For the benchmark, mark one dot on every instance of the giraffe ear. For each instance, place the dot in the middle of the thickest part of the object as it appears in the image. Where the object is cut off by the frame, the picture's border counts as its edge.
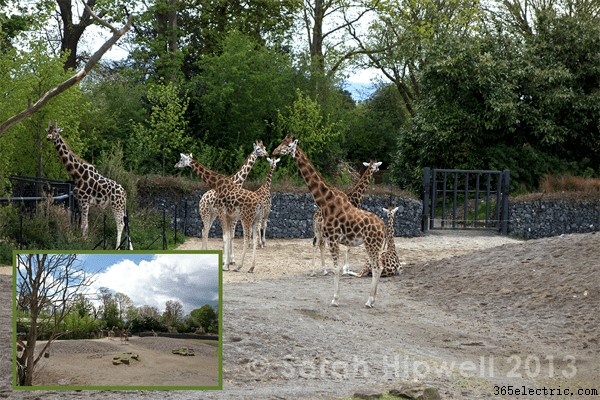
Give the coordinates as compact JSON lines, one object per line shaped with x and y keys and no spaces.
{"x":378,"y":164}
{"x":277,"y":160}
{"x":394,"y":210}
{"x":269,"y":160}
{"x":385,"y":210}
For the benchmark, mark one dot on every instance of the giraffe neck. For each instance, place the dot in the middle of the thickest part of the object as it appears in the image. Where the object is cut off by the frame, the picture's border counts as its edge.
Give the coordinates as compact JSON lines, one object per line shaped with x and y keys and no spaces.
{"x":266,"y":186}
{"x":240,"y":176}
{"x":210,"y":177}
{"x":316,"y":184}
{"x":358,"y":190}
{"x":390,"y":232}
{"x":70,"y":160}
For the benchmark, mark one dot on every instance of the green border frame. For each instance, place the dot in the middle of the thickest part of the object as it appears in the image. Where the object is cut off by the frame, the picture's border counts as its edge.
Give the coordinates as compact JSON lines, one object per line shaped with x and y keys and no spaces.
{"x":124,"y":253}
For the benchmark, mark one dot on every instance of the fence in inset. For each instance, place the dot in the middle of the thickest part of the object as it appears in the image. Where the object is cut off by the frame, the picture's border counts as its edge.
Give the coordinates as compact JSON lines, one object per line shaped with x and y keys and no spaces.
{"x":465,"y":199}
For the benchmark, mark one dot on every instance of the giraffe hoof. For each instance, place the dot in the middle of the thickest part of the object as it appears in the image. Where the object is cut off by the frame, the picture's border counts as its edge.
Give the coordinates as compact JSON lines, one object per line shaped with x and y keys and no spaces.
{"x":370,"y":304}
{"x":334,"y":303}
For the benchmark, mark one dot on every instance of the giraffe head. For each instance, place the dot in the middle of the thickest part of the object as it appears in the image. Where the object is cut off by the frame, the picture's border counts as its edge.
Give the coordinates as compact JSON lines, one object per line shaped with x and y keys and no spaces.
{"x":288,"y":146}
{"x":390,"y":211}
{"x":53,"y":131}
{"x":185,"y":161}
{"x":260,"y":150}
{"x":273,"y":163}
{"x":373,"y":165}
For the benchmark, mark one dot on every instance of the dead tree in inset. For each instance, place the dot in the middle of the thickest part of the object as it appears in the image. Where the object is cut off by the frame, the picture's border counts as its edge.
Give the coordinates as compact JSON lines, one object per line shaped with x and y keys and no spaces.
{"x":47,"y":285}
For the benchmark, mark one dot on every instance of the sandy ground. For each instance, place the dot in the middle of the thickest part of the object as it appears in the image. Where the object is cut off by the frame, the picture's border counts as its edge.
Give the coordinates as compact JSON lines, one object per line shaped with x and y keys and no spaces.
{"x":89,"y":363}
{"x":470,"y":311}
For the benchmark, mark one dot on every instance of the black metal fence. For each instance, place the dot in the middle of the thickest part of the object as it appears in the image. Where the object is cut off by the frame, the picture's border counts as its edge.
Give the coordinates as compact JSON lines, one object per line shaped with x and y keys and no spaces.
{"x":465,"y":199}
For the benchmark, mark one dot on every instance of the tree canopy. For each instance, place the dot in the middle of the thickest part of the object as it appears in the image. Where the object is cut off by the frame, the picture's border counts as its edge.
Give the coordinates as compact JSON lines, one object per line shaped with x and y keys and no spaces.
{"x":463,"y":84}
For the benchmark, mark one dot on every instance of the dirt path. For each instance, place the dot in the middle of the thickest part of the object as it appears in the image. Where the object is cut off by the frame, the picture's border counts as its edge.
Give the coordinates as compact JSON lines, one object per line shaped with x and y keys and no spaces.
{"x":89,"y":363}
{"x":469,"y":312}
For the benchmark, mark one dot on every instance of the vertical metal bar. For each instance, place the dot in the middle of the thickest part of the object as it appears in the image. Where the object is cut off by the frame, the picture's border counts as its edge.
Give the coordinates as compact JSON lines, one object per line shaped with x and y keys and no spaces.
{"x":498,"y":193}
{"x":444,"y":199}
{"x":455,"y":199}
{"x":506,"y":189}
{"x":476,"y":219}
{"x":175,"y":224}
{"x":466,"y":202}
{"x":487,"y":200}
{"x":426,"y":191}
{"x":433,"y":200}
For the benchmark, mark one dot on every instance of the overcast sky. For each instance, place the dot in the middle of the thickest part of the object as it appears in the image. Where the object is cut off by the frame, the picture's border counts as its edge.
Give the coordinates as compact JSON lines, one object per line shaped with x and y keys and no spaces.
{"x":152,"y":279}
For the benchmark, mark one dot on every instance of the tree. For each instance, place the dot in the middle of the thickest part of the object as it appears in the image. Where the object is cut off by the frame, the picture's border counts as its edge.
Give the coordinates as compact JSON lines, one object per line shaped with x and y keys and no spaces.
{"x":163,"y":137}
{"x":205,"y":316}
{"x":173,"y":312}
{"x":402,"y":32}
{"x":319,"y":136}
{"x":326,"y":23}
{"x":60,"y":88}
{"x":123,"y":303}
{"x":47,"y":284}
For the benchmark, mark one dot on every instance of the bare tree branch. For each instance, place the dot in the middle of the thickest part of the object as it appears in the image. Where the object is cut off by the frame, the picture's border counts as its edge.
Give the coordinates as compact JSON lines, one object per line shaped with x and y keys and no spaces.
{"x":117,"y":33}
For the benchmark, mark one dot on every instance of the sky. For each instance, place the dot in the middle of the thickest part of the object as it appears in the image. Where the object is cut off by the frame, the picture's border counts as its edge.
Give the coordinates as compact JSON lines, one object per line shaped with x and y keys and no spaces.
{"x":152,"y":279}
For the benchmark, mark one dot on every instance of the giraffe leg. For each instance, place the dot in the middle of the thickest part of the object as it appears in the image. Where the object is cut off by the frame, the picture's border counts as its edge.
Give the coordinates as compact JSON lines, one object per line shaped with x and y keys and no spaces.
{"x":346,"y":269}
{"x":232,"y":225}
{"x":322,"y":251}
{"x":334,"y":248}
{"x":226,"y":234}
{"x":207,"y":221}
{"x":255,"y":239}
{"x":376,"y":271}
{"x":119,"y":220}
{"x":85,"y":209}
{"x":247,"y":237}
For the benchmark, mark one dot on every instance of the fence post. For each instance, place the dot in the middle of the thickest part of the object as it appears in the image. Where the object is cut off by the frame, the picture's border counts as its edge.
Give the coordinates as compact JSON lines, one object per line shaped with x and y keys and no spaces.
{"x":505,"y":191}
{"x":425,"y":197}
{"x":175,"y":223}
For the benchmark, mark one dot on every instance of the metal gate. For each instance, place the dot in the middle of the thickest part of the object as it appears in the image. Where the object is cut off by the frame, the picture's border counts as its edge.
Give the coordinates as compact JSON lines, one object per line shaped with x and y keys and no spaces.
{"x":465,"y":199}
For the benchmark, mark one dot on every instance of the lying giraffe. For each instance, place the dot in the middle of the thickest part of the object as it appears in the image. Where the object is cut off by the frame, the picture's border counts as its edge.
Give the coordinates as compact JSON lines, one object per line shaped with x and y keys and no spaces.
{"x":234,"y":203}
{"x":91,"y":188}
{"x":355,"y":195}
{"x":208,"y":211}
{"x":343,"y":223}
{"x":389,"y":258}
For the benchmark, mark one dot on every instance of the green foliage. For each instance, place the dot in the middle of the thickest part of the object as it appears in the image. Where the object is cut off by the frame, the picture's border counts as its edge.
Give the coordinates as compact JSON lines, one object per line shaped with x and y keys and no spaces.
{"x":236,"y":98}
{"x":206,"y":317}
{"x":496,"y":102}
{"x":375,"y":127}
{"x":111,"y":165}
{"x":163,"y":136}
{"x":25,"y":77}
{"x":317,"y":134}
{"x":147,"y":323}
{"x":79,"y":327}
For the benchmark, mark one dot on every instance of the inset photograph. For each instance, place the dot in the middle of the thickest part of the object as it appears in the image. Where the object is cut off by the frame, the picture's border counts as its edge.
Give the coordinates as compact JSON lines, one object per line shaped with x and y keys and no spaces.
{"x":117,"y":320}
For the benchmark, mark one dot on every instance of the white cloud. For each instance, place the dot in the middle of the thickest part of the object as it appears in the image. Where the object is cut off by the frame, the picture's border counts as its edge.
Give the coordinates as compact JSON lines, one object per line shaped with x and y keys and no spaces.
{"x":192,"y":279}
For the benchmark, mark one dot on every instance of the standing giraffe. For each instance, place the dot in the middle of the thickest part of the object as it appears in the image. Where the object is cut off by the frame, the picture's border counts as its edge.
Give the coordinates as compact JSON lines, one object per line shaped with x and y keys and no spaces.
{"x":208,"y":211}
{"x":343,"y":223}
{"x":390,"y":263}
{"x":265,"y":203}
{"x":355,"y":195}
{"x":91,"y":188}
{"x":234,"y":203}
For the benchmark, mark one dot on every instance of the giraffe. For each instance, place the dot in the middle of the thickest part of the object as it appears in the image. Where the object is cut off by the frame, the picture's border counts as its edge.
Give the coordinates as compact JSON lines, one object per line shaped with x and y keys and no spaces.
{"x":265,"y":203}
{"x":343,"y":223}
{"x":207,"y":210}
{"x":91,"y":188}
{"x":355,"y":195}
{"x":389,"y":258}
{"x":234,"y":203}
